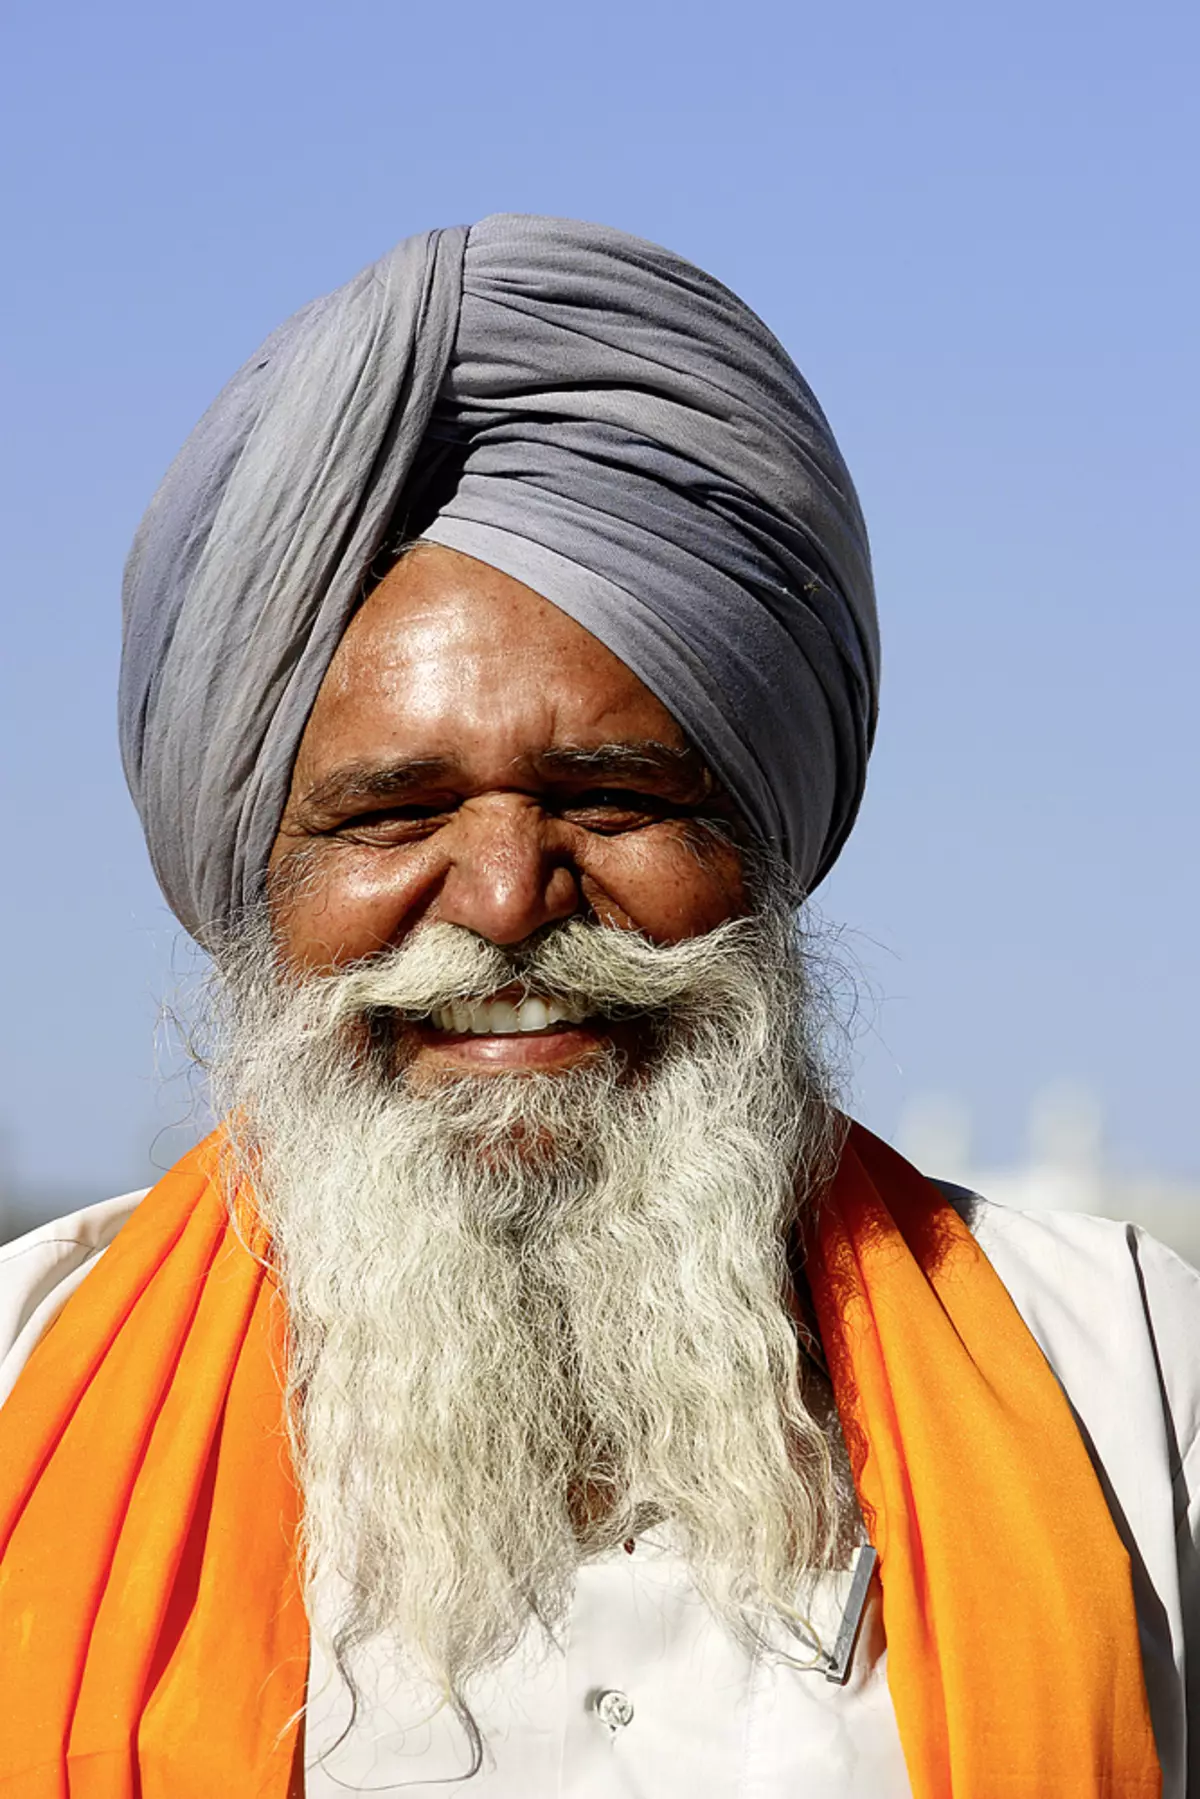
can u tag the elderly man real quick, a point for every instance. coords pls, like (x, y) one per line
(536, 1383)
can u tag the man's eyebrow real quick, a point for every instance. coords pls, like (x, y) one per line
(360, 784)
(367, 783)
(625, 760)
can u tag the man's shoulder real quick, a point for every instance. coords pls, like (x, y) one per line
(39, 1271)
(1111, 1307)
(1073, 1253)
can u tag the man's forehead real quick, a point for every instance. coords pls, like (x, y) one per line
(455, 671)
(440, 620)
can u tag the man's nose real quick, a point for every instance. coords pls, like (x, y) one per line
(507, 877)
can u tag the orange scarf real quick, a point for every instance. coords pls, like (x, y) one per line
(152, 1640)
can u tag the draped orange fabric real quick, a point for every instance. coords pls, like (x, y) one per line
(153, 1644)
(1013, 1656)
(152, 1640)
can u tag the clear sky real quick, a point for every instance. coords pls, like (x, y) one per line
(974, 228)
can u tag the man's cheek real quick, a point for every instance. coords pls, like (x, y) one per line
(347, 906)
(669, 890)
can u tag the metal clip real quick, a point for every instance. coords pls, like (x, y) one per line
(837, 1667)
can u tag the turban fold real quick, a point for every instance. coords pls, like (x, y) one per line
(582, 410)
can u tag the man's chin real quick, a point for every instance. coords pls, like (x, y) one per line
(501, 1121)
(525, 1144)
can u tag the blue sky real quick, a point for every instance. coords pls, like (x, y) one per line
(973, 228)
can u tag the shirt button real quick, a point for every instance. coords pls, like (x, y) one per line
(614, 1709)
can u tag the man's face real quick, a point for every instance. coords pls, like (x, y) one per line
(475, 757)
(526, 1315)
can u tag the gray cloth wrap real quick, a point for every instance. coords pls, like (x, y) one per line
(582, 410)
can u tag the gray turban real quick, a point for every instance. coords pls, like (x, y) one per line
(582, 410)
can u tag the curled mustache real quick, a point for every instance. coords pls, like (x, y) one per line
(594, 969)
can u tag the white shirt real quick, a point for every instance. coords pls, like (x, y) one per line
(648, 1697)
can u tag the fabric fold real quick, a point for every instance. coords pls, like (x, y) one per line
(1013, 1654)
(152, 1640)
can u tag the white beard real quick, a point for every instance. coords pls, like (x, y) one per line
(531, 1312)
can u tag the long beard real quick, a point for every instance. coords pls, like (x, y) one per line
(530, 1313)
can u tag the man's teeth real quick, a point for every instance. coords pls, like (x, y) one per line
(503, 1017)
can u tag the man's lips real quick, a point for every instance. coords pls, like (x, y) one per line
(513, 1029)
(558, 1046)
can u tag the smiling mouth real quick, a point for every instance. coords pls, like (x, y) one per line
(531, 1016)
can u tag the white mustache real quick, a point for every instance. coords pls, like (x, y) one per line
(588, 970)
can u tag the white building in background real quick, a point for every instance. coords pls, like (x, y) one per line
(1066, 1169)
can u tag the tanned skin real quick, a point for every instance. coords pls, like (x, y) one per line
(475, 756)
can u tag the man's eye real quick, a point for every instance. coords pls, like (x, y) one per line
(611, 796)
(395, 819)
(616, 805)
